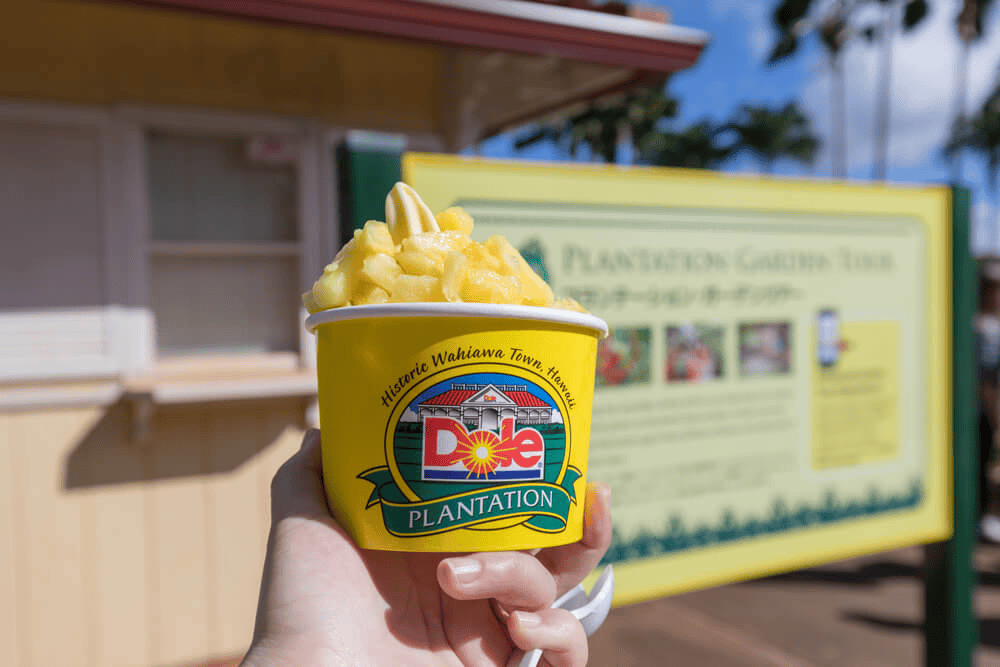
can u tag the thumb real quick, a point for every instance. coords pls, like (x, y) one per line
(297, 487)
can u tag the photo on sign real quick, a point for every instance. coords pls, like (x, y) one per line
(765, 348)
(695, 352)
(829, 346)
(623, 357)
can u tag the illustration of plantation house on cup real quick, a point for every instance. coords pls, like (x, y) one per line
(486, 405)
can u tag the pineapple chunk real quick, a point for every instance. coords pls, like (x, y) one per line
(485, 286)
(567, 303)
(346, 249)
(455, 219)
(330, 291)
(350, 257)
(408, 289)
(368, 293)
(381, 269)
(479, 256)
(439, 244)
(375, 238)
(455, 270)
(534, 290)
(420, 264)
(506, 254)
(310, 303)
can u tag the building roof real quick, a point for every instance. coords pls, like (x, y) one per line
(450, 397)
(508, 25)
(453, 397)
(526, 399)
(502, 63)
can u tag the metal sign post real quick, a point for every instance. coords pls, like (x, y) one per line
(951, 629)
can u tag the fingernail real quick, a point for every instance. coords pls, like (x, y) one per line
(590, 513)
(526, 620)
(601, 489)
(605, 491)
(464, 570)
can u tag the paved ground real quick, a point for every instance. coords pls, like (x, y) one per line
(866, 612)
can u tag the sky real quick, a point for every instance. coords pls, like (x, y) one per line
(732, 70)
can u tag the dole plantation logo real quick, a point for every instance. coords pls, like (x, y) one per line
(483, 450)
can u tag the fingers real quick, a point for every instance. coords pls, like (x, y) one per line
(516, 580)
(569, 564)
(555, 631)
(297, 487)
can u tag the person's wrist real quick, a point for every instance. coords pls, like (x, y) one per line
(282, 653)
(252, 659)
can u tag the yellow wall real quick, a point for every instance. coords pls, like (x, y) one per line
(118, 555)
(85, 51)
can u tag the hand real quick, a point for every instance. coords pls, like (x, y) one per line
(325, 602)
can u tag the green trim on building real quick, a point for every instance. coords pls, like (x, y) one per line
(367, 174)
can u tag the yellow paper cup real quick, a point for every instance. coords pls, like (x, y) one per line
(456, 426)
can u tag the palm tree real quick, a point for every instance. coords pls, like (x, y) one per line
(883, 103)
(696, 147)
(772, 135)
(981, 134)
(790, 18)
(969, 24)
(602, 126)
(914, 12)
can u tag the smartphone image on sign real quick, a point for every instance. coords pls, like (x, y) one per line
(828, 337)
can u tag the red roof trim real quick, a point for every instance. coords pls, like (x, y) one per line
(450, 397)
(456, 25)
(454, 397)
(525, 399)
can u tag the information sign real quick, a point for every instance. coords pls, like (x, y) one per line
(776, 388)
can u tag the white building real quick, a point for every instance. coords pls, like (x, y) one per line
(174, 174)
(486, 405)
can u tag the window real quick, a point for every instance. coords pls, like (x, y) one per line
(225, 252)
(159, 254)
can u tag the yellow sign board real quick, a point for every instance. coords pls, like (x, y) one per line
(776, 388)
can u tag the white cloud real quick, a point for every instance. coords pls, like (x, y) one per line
(756, 16)
(923, 89)
(922, 95)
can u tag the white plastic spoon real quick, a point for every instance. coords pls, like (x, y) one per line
(590, 610)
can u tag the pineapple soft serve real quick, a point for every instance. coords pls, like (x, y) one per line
(416, 256)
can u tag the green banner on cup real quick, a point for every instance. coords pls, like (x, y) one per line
(544, 504)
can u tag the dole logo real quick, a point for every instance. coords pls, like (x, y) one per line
(452, 453)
